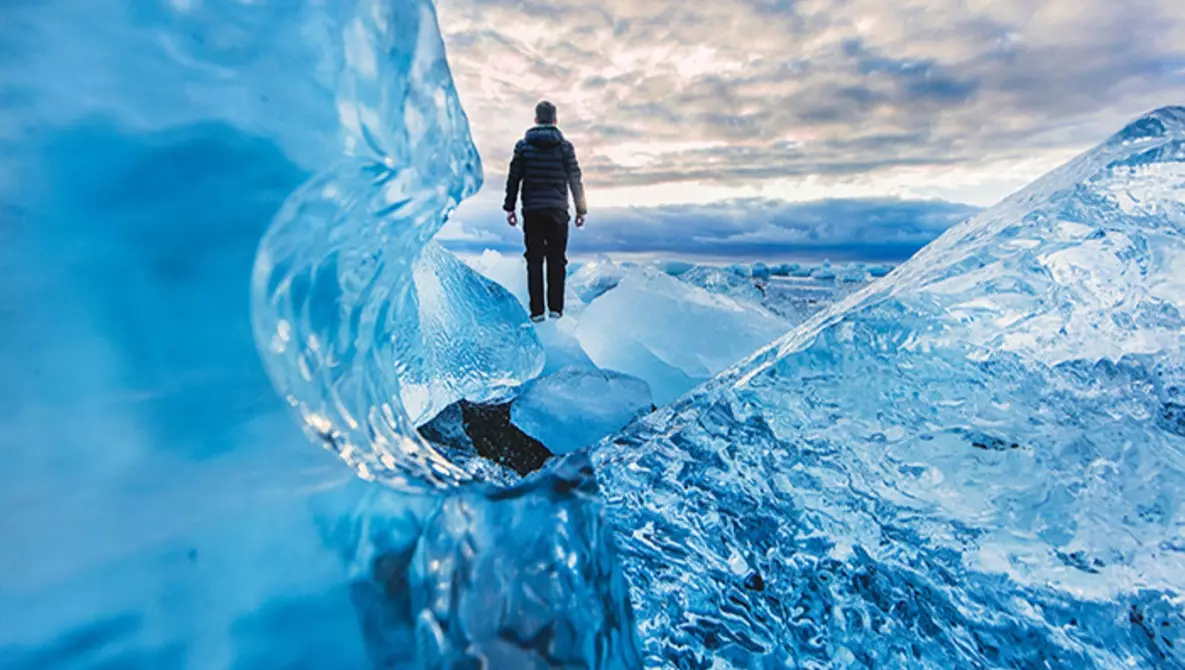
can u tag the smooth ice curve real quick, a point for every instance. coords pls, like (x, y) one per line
(366, 327)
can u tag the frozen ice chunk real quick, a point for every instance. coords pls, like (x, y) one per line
(823, 272)
(159, 507)
(508, 270)
(594, 278)
(560, 346)
(527, 579)
(853, 273)
(473, 338)
(796, 299)
(673, 267)
(734, 282)
(670, 333)
(988, 440)
(364, 327)
(577, 406)
(561, 349)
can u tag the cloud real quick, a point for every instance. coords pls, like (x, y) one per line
(868, 229)
(908, 98)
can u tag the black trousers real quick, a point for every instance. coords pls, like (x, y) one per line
(545, 233)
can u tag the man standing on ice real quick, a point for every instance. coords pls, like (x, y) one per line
(545, 165)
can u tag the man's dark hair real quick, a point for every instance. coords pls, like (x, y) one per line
(545, 113)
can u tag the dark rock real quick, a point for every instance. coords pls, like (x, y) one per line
(755, 582)
(485, 429)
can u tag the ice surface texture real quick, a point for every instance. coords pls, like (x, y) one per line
(158, 505)
(361, 341)
(577, 406)
(512, 580)
(975, 463)
(160, 509)
(367, 329)
(670, 333)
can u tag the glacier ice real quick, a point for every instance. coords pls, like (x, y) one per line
(595, 277)
(473, 338)
(515, 579)
(509, 271)
(560, 347)
(670, 333)
(577, 406)
(788, 290)
(361, 339)
(160, 508)
(734, 282)
(797, 298)
(976, 462)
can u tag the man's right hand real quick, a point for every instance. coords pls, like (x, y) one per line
(579, 220)
(512, 219)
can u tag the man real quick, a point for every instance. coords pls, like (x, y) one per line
(545, 165)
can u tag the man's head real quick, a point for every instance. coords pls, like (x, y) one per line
(545, 114)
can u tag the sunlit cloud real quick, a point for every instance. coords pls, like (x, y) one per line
(671, 101)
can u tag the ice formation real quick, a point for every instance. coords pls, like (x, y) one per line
(171, 515)
(366, 328)
(670, 333)
(976, 462)
(594, 278)
(737, 283)
(577, 406)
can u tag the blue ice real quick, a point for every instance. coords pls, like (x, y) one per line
(976, 462)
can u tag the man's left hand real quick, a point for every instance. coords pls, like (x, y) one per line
(512, 219)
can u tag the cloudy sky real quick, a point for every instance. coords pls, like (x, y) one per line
(714, 121)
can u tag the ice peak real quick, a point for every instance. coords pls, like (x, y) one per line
(1155, 124)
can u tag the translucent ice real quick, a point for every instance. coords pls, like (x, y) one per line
(823, 271)
(508, 270)
(521, 579)
(976, 462)
(674, 267)
(734, 282)
(593, 278)
(359, 354)
(473, 336)
(577, 406)
(160, 508)
(670, 333)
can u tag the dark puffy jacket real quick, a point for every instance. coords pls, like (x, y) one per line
(545, 165)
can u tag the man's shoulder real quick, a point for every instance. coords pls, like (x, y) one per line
(520, 146)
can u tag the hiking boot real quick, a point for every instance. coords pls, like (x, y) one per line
(536, 318)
